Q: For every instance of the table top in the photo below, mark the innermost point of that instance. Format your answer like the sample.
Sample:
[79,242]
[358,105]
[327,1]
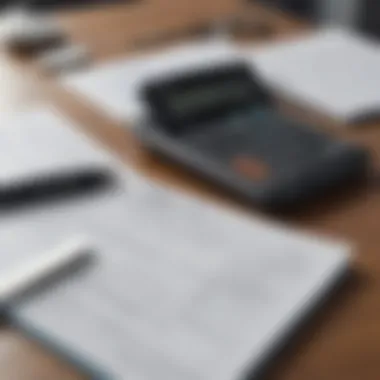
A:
[342,341]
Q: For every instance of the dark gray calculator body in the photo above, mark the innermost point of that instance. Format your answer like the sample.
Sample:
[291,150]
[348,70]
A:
[221,123]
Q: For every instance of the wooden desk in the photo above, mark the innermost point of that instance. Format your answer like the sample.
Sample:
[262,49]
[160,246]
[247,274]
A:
[342,342]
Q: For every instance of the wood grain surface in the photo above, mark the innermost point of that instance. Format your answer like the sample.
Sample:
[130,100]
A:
[342,341]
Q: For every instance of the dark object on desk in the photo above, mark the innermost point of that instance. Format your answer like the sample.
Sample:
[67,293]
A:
[303,8]
[52,5]
[221,122]
[368,15]
[54,187]
[361,15]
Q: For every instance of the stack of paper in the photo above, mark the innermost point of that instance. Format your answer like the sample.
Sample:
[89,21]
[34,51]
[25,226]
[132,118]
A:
[182,289]
[334,71]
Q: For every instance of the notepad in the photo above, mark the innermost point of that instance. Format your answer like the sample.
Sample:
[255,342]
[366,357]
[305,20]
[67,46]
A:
[113,87]
[333,71]
[181,289]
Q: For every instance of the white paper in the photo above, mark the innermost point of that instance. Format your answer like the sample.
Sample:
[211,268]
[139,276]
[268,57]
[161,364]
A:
[114,86]
[333,71]
[37,143]
[182,289]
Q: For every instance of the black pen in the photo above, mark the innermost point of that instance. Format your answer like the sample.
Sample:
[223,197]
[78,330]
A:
[53,186]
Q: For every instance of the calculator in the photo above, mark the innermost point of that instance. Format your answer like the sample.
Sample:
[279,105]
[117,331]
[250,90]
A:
[222,123]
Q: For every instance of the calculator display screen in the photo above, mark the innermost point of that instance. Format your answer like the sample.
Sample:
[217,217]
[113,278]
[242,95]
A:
[192,98]
[202,97]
